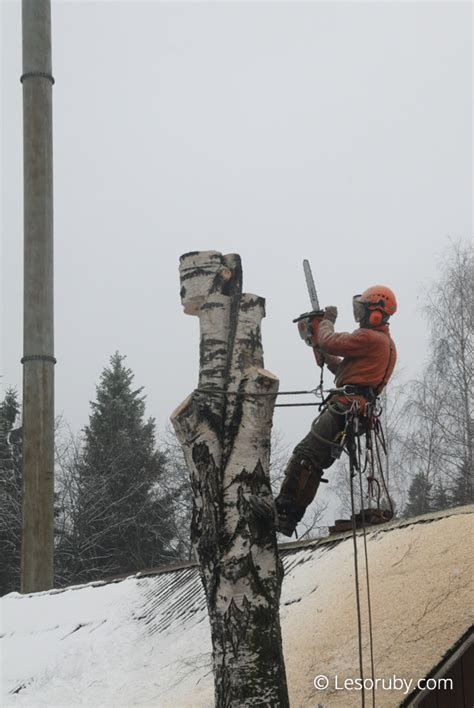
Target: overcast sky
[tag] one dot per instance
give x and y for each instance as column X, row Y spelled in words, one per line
column 338, row 132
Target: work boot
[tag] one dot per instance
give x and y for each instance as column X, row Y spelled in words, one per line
column 288, row 515
column 297, row 492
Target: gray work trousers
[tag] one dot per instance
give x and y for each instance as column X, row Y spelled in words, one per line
column 325, row 429
column 310, row 457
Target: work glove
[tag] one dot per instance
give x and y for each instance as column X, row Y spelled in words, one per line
column 330, row 313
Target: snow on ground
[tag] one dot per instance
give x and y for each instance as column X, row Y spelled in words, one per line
column 145, row 641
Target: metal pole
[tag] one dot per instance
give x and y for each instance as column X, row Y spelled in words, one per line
column 38, row 335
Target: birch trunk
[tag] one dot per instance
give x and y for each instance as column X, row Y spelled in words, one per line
column 226, row 442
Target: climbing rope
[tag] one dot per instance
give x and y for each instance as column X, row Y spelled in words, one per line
column 367, row 580
column 357, row 588
column 375, row 442
column 245, row 394
column 319, row 392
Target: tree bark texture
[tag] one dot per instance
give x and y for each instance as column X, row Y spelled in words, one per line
column 226, row 442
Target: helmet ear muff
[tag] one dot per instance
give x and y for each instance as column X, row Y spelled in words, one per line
column 376, row 317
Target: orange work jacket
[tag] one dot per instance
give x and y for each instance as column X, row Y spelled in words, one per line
column 369, row 355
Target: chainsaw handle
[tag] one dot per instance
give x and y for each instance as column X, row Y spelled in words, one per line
column 307, row 315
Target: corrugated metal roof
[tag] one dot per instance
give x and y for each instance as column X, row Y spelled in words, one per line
column 145, row 640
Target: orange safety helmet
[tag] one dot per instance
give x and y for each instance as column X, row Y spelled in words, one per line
column 378, row 301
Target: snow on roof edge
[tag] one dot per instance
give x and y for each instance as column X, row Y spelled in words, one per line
column 285, row 548
column 380, row 528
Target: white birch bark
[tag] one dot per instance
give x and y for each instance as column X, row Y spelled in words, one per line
column 226, row 442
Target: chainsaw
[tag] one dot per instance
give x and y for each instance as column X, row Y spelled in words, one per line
column 308, row 322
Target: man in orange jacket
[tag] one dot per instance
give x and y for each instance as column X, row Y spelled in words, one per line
column 363, row 361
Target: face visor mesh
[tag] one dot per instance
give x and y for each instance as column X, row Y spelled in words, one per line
column 358, row 308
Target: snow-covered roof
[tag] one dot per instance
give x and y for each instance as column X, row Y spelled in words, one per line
column 145, row 640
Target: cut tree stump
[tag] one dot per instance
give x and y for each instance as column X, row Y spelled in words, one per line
column 224, row 428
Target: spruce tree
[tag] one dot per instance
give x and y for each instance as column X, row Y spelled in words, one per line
column 419, row 496
column 121, row 519
column 462, row 488
column 10, row 493
column 441, row 499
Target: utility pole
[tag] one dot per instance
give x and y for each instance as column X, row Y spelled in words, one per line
column 38, row 334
